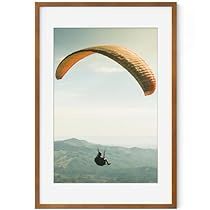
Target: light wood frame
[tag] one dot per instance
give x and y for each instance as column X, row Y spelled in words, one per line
column 38, row 5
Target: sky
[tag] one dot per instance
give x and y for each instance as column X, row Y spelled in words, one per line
column 98, row 100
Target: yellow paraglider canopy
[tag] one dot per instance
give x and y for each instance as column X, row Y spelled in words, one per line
column 134, row 64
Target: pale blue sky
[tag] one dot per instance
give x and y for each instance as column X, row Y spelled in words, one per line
column 98, row 99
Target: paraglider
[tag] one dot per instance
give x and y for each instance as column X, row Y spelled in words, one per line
column 101, row 160
column 134, row 64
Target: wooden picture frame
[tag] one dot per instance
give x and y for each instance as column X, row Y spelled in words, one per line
column 39, row 203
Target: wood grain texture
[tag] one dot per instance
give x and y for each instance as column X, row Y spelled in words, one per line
column 105, row 206
column 37, row 108
column 38, row 5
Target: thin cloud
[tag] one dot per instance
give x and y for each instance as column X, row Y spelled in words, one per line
column 108, row 70
column 106, row 112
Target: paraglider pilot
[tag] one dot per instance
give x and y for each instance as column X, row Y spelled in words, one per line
column 101, row 160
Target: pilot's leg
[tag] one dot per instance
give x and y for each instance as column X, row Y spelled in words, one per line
column 106, row 161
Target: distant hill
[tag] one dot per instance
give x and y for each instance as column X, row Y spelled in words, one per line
column 74, row 163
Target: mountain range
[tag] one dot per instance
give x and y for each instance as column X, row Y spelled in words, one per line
column 74, row 163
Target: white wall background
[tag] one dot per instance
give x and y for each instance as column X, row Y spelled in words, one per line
column 17, row 104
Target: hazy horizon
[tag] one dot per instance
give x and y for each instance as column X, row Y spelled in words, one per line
column 129, row 141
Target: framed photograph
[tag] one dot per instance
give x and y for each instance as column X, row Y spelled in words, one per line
column 105, row 105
